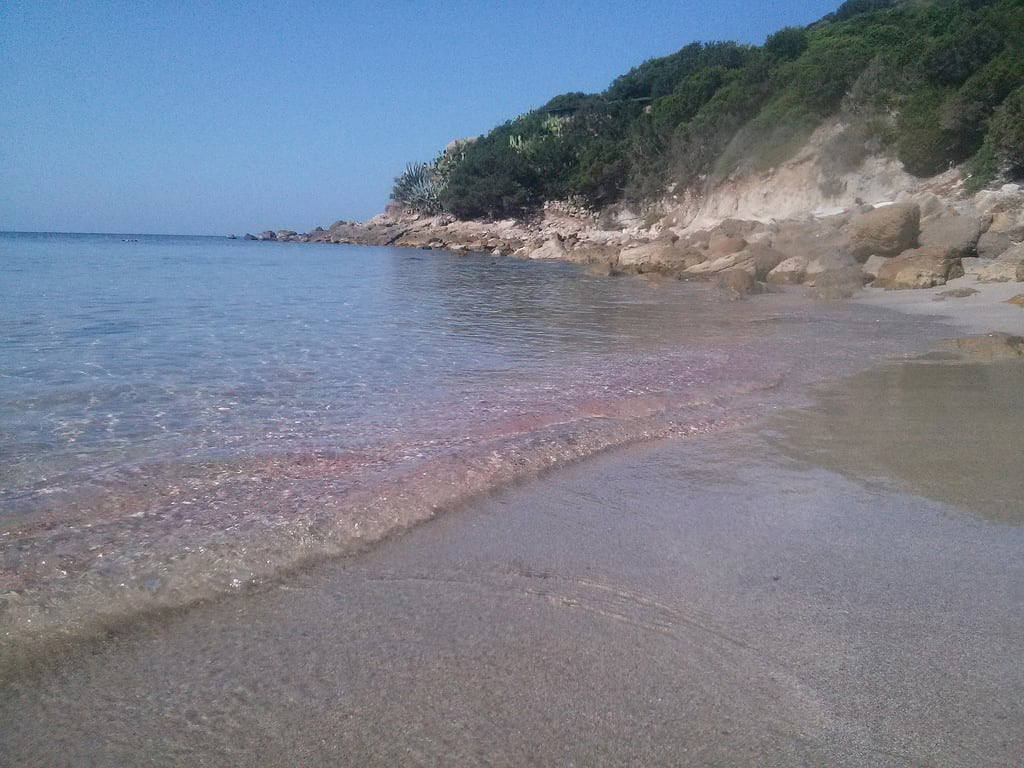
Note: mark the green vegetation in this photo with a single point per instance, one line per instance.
(934, 82)
(419, 187)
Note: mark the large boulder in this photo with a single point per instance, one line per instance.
(416, 238)
(553, 249)
(885, 231)
(1009, 197)
(756, 259)
(697, 239)
(761, 259)
(972, 266)
(836, 260)
(919, 268)
(1009, 222)
(738, 282)
(804, 240)
(721, 244)
(991, 245)
(791, 271)
(1001, 271)
(739, 227)
(929, 203)
(588, 253)
(663, 256)
(266, 235)
(959, 234)
(873, 265)
(836, 275)
(640, 256)
(837, 284)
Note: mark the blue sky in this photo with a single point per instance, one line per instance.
(217, 117)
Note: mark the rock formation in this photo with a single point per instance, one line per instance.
(921, 239)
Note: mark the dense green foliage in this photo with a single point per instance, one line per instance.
(934, 82)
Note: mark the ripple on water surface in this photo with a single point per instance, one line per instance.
(179, 416)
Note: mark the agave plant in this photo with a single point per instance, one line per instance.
(418, 187)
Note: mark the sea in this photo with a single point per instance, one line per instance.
(183, 417)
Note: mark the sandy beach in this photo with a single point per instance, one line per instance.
(803, 591)
(984, 311)
(638, 386)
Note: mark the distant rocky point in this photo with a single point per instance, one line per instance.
(920, 239)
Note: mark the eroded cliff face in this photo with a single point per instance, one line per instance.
(808, 182)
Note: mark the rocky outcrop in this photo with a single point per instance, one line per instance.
(919, 268)
(553, 249)
(885, 231)
(757, 260)
(991, 245)
(836, 260)
(791, 271)
(1010, 223)
(1001, 271)
(959, 234)
(1008, 199)
(929, 235)
(722, 244)
(667, 257)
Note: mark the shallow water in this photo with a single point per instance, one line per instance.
(695, 601)
(184, 416)
(950, 431)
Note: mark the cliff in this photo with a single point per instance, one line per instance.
(799, 223)
(724, 157)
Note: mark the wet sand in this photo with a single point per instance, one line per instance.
(981, 312)
(761, 597)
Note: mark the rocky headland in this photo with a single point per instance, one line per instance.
(846, 153)
(919, 238)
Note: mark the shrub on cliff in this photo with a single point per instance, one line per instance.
(418, 187)
(1007, 134)
(788, 43)
(853, 8)
(967, 111)
(924, 146)
(492, 181)
(930, 80)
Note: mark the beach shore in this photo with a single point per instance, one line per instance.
(781, 593)
(986, 309)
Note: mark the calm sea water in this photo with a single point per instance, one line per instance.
(181, 415)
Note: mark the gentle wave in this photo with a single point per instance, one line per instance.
(267, 406)
(194, 532)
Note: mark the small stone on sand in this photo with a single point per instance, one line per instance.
(956, 293)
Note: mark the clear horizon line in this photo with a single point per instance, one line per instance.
(129, 234)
